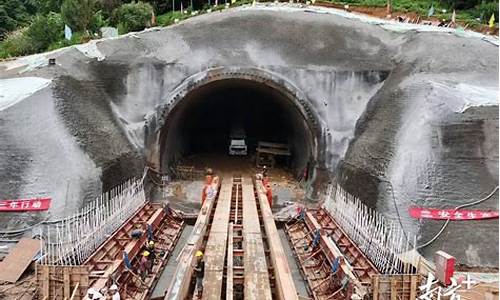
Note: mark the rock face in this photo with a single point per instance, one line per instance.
(412, 113)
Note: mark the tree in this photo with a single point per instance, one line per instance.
(46, 6)
(6, 23)
(78, 14)
(134, 16)
(45, 30)
(463, 4)
(15, 11)
(109, 5)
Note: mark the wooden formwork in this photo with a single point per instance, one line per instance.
(62, 282)
(392, 287)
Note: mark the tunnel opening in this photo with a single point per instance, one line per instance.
(202, 125)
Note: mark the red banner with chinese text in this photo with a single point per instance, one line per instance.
(37, 204)
(452, 214)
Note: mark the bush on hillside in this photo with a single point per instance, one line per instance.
(16, 43)
(46, 6)
(13, 14)
(78, 14)
(134, 16)
(169, 18)
(485, 10)
(108, 6)
(461, 4)
(45, 30)
(6, 23)
(97, 22)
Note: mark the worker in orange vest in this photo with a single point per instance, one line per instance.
(204, 194)
(208, 181)
(209, 176)
(269, 194)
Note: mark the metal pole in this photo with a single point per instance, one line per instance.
(173, 6)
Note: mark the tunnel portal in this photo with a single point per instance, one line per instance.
(202, 121)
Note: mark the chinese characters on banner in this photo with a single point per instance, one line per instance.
(431, 290)
(37, 204)
(452, 214)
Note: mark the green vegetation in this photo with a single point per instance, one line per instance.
(31, 26)
(78, 14)
(134, 16)
(475, 12)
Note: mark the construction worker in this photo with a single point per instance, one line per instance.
(137, 232)
(204, 194)
(269, 194)
(264, 171)
(114, 293)
(150, 247)
(94, 295)
(209, 176)
(200, 271)
(144, 265)
(208, 181)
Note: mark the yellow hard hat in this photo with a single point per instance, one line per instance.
(151, 243)
(145, 253)
(199, 253)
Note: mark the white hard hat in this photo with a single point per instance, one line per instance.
(114, 287)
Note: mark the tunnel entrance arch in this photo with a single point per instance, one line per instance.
(199, 113)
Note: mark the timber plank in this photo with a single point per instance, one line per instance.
(18, 259)
(215, 249)
(257, 284)
(284, 281)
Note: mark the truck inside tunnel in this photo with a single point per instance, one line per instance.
(202, 122)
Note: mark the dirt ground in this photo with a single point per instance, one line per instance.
(381, 12)
(24, 289)
(482, 291)
(185, 195)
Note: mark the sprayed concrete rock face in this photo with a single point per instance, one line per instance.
(355, 102)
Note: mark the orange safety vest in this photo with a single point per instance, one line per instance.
(269, 194)
(204, 194)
